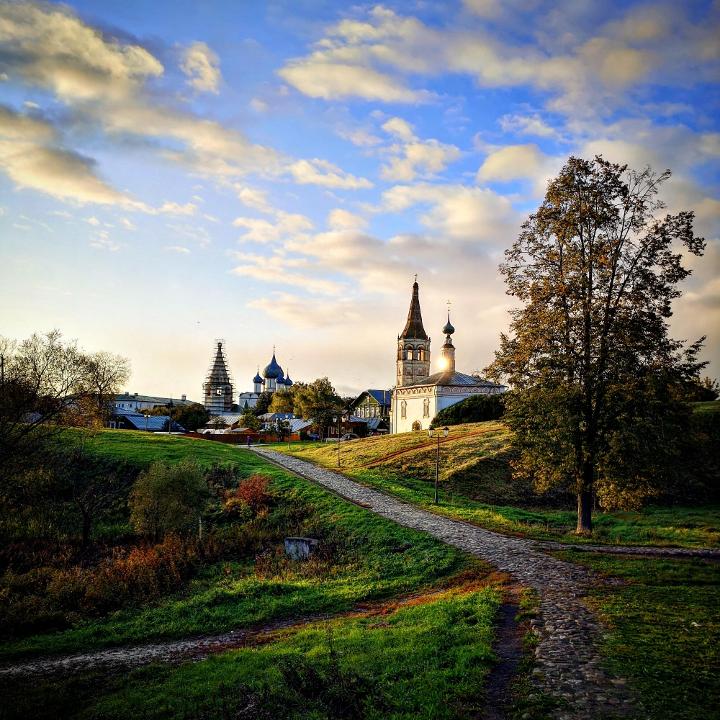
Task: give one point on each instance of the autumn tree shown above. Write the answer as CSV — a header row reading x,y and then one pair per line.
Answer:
x,y
168,498
595,270
318,402
46,382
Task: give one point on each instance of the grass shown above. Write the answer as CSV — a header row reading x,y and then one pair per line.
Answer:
x,y
427,660
476,487
381,559
664,631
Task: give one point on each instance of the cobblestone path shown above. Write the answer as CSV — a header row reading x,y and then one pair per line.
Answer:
x,y
568,662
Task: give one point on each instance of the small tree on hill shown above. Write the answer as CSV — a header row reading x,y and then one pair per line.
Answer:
x,y
168,499
589,356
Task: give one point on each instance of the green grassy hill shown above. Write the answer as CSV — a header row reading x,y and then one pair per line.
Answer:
x,y
476,486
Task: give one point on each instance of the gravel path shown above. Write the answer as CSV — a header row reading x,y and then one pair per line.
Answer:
x,y
568,662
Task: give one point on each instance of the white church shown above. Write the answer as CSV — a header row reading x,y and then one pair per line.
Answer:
x,y
419,396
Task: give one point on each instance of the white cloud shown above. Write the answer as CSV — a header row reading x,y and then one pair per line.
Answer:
x,y
102,241
458,212
128,224
303,312
265,231
319,77
528,125
202,67
49,45
92,221
322,172
340,219
280,270
180,249
519,162
253,198
173,208
400,128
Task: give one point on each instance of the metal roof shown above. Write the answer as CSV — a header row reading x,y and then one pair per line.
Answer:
x,y
153,423
453,379
414,326
128,397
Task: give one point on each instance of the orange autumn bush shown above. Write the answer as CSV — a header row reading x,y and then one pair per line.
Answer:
x,y
250,495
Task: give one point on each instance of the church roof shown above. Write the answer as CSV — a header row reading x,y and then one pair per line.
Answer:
x,y
272,369
414,326
453,379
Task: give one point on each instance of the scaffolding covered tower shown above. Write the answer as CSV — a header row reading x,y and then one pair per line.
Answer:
x,y
218,385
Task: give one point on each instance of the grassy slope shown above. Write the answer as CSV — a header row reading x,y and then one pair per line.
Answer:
x,y
423,661
665,631
469,459
387,560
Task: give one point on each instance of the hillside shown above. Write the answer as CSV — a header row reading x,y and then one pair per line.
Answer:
x,y
473,461
476,486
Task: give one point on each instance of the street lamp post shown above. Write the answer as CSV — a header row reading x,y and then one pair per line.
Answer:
x,y
146,422
438,434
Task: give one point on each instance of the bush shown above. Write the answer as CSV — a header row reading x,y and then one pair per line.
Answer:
x,y
476,408
168,499
250,497
50,598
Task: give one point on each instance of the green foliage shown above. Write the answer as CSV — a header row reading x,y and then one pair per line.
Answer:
x,y
475,487
191,417
365,556
476,408
250,420
664,631
167,499
425,661
263,403
319,402
590,354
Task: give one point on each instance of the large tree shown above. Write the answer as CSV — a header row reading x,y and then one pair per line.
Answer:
x,y
318,402
595,270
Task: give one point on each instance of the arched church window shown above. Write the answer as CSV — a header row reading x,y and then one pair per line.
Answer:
x,y
426,407
409,355
403,409
421,354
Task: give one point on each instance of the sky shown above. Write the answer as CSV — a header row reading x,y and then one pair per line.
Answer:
x,y
276,173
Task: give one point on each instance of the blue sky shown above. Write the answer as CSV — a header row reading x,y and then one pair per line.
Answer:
x,y
276,173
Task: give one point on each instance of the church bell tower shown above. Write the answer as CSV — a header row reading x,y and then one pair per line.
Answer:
x,y
413,348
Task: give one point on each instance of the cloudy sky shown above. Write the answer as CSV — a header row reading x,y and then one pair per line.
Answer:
x,y
276,173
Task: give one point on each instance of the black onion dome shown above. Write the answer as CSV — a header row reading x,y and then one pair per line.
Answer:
x,y
448,329
273,371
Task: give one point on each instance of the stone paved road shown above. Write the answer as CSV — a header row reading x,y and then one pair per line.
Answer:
x,y
568,662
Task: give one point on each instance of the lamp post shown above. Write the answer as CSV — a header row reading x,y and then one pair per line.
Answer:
x,y
146,421
170,409
339,420
438,434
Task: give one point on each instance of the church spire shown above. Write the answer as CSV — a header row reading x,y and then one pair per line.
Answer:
x,y
414,326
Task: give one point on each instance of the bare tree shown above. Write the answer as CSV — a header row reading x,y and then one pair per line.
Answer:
x,y
44,381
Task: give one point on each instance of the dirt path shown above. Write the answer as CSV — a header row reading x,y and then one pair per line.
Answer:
x,y
508,648
569,665
200,647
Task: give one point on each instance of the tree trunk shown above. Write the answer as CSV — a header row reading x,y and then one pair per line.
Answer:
x,y
584,512
585,499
